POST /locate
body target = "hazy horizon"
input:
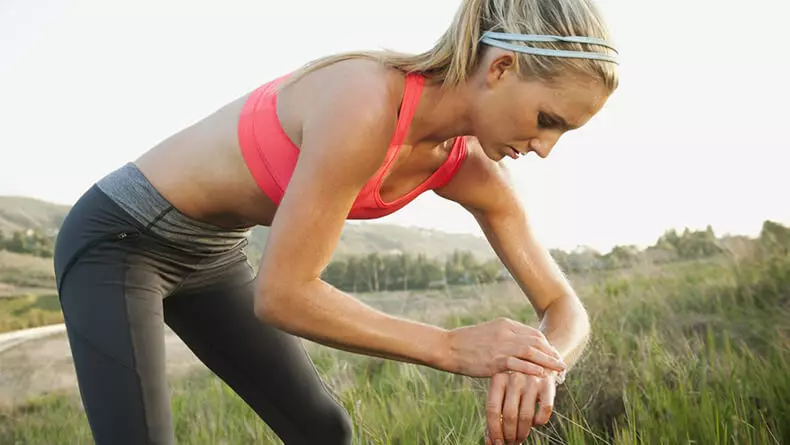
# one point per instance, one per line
(694, 136)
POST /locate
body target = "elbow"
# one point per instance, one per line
(583, 323)
(263, 308)
(582, 316)
(270, 305)
(574, 315)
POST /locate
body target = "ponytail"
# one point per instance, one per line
(456, 54)
(462, 41)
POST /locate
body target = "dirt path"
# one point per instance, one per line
(37, 361)
(8, 291)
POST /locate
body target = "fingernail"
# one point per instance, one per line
(498, 442)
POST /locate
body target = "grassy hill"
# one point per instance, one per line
(692, 352)
(21, 274)
(25, 271)
(21, 213)
(365, 238)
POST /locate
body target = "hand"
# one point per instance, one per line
(501, 345)
(510, 409)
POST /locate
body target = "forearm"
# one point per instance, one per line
(321, 313)
(566, 326)
(564, 321)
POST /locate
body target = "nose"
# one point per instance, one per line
(544, 144)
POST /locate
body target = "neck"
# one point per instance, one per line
(442, 114)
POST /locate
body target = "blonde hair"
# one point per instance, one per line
(458, 51)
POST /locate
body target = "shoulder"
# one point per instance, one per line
(353, 101)
(480, 185)
(343, 115)
(351, 89)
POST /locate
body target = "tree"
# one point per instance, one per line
(690, 245)
(17, 243)
(335, 273)
(775, 237)
(621, 257)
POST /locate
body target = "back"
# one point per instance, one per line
(201, 172)
(271, 154)
(231, 168)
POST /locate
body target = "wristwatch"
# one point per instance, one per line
(560, 379)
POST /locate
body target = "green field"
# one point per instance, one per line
(27, 295)
(29, 311)
(694, 352)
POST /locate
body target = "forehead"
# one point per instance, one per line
(574, 100)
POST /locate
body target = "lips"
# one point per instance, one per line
(512, 152)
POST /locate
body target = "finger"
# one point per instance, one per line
(525, 329)
(527, 335)
(535, 336)
(546, 399)
(523, 366)
(543, 344)
(515, 386)
(539, 357)
(496, 394)
(526, 411)
(488, 438)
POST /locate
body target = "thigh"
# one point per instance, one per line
(112, 305)
(268, 368)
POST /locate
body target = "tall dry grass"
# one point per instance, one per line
(693, 352)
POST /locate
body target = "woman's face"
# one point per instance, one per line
(512, 117)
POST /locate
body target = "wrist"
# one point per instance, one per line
(440, 352)
(557, 377)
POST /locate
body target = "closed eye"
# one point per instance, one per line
(544, 121)
(553, 122)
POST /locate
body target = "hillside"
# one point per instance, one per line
(365, 238)
(21, 271)
(21, 274)
(21, 213)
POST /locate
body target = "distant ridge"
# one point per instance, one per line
(22, 213)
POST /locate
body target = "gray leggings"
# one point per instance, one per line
(121, 280)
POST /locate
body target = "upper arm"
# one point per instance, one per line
(344, 141)
(481, 185)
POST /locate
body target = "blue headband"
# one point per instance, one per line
(494, 39)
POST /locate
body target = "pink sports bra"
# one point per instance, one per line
(271, 156)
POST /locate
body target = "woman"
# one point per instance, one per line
(355, 136)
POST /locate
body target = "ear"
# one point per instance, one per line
(502, 63)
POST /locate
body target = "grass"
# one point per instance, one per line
(27, 295)
(29, 311)
(686, 353)
(21, 270)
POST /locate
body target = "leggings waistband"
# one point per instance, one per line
(131, 190)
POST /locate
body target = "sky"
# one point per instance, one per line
(695, 135)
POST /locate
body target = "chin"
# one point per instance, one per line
(492, 154)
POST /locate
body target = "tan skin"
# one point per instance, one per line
(343, 133)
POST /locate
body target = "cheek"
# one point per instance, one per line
(502, 120)
(516, 121)
(485, 121)
(496, 122)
